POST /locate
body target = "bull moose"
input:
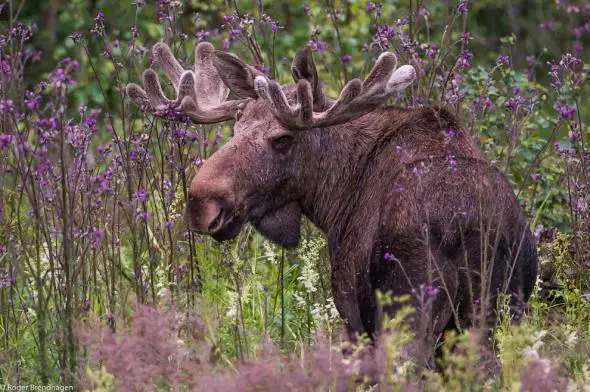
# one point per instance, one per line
(406, 199)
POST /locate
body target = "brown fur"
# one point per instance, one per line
(392, 181)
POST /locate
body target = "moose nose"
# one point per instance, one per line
(205, 216)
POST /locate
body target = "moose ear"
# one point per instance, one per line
(282, 226)
(303, 67)
(236, 75)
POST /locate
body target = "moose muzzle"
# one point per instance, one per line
(211, 205)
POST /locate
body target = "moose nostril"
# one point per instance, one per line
(217, 222)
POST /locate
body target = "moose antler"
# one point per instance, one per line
(201, 95)
(356, 99)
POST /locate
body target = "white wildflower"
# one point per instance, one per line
(269, 252)
(299, 300)
(309, 253)
(232, 304)
(571, 339)
(331, 307)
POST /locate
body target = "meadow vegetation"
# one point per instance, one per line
(102, 288)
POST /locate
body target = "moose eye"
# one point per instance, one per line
(240, 111)
(282, 143)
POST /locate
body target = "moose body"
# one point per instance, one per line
(404, 207)
(405, 198)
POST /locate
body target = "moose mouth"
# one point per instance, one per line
(280, 225)
(225, 226)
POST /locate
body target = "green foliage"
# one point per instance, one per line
(250, 291)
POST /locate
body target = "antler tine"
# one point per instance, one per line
(305, 101)
(200, 94)
(299, 115)
(166, 59)
(153, 98)
(139, 96)
(154, 91)
(385, 65)
(356, 99)
(212, 90)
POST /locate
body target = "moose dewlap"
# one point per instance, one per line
(407, 201)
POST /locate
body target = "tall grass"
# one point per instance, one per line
(98, 277)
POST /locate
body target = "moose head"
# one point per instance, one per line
(262, 172)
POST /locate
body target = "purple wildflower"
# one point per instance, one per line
(464, 60)
(564, 151)
(575, 133)
(503, 60)
(370, 7)
(466, 37)
(98, 26)
(547, 25)
(483, 101)
(565, 111)
(318, 46)
(423, 11)
(142, 195)
(431, 51)
(198, 161)
(431, 291)
(110, 317)
(97, 235)
(449, 133)
(514, 102)
(6, 105)
(5, 140)
(5, 69)
(452, 162)
(143, 216)
(201, 35)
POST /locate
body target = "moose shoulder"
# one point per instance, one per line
(405, 198)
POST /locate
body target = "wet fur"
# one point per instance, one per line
(441, 223)
(391, 181)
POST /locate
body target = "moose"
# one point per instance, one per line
(405, 198)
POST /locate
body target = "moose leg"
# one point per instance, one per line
(344, 291)
(487, 274)
(431, 281)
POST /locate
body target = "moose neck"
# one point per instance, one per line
(342, 157)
